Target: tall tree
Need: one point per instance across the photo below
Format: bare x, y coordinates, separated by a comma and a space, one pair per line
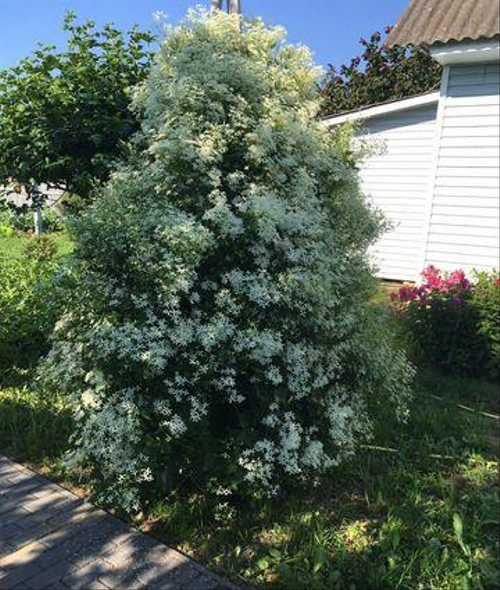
64, 115
379, 74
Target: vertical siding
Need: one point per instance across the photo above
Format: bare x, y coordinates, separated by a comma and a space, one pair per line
464, 218
397, 182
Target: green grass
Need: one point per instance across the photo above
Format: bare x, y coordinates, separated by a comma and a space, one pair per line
419, 509
34, 426
13, 246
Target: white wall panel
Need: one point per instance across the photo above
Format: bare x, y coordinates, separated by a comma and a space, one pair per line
464, 218
397, 182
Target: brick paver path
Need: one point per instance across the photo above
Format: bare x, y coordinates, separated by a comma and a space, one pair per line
51, 539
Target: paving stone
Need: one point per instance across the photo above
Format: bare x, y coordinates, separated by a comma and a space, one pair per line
13, 494
47, 578
56, 574
53, 586
39, 524
23, 557
52, 513
15, 517
208, 583
8, 529
85, 583
18, 572
52, 540
5, 549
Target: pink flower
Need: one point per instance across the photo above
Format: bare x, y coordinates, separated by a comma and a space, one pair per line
433, 278
458, 279
436, 282
405, 294
454, 286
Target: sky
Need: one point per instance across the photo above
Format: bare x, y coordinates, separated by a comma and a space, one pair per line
331, 28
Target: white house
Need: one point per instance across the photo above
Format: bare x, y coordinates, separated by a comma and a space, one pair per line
437, 179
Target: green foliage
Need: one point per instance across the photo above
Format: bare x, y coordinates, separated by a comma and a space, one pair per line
6, 231
30, 302
222, 336
22, 221
64, 115
13, 244
486, 299
448, 335
35, 426
379, 74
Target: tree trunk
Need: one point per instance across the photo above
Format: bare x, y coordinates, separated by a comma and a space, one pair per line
234, 6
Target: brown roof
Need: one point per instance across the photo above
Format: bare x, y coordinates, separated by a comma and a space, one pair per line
440, 21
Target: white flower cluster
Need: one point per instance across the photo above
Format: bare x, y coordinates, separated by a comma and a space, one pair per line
221, 329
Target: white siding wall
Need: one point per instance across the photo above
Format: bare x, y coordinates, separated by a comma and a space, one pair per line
398, 182
463, 228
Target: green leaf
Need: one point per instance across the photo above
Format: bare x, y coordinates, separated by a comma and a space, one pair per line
396, 537
458, 527
318, 566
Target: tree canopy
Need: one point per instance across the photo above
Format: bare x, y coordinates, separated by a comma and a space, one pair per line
64, 115
379, 74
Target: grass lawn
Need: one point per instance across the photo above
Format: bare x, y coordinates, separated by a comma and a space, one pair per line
14, 246
419, 509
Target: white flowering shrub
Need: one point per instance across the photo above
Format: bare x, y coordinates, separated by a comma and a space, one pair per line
222, 332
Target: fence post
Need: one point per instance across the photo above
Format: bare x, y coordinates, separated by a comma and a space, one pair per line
37, 215
38, 221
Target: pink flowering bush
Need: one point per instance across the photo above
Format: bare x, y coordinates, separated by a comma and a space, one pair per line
450, 321
436, 284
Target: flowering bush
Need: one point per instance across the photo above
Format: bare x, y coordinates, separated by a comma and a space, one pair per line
222, 334
447, 324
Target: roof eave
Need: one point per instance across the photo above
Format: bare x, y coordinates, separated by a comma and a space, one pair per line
383, 109
466, 51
